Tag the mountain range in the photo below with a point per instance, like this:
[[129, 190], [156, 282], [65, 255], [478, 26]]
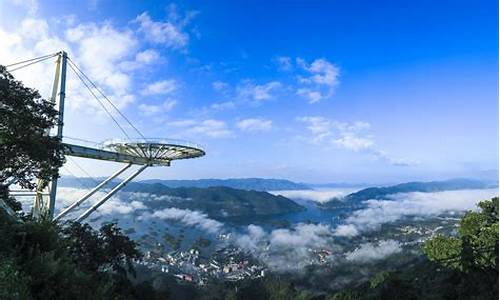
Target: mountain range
[[377, 193], [217, 202], [257, 184]]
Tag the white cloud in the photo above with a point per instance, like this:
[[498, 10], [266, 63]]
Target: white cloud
[[320, 196], [210, 127], [223, 105], [99, 60], [258, 92], [149, 109], [322, 72], [161, 87], [349, 136], [141, 60], [133, 203], [254, 237], [416, 204], [255, 124], [35, 29], [354, 143], [166, 106], [115, 205], [320, 128], [167, 33], [312, 95], [286, 249], [106, 52], [321, 79], [182, 123], [395, 161], [169, 104], [87, 45], [348, 230], [147, 56], [189, 218], [369, 252]]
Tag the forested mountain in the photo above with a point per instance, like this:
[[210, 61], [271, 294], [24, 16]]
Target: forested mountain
[[377, 193], [217, 202], [258, 184]]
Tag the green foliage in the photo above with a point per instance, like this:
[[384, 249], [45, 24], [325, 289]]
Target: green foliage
[[40, 259], [280, 289], [378, 279], [344, 295], [13, 284], [475, 247], [271, 287], [26, 152]]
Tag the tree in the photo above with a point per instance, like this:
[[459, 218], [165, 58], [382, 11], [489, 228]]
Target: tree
[[476, 246], [26, 151], [106, 249]]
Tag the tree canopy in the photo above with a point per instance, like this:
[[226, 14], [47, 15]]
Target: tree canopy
[[26, 151], [476, 245]]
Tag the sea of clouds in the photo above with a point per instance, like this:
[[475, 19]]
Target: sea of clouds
[[417, 204], [292, 248], [319, 195], [367, 252], [286, 249]]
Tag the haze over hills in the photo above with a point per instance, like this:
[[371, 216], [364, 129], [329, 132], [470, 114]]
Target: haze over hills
[[257, 184], [378, 193], [217, 202], [250, 201]]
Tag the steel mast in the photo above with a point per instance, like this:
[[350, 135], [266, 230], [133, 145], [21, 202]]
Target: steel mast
[[45, 205]]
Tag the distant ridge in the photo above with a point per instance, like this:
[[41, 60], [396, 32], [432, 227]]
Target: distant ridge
[[217, 202], [431, 186], [256, 184]]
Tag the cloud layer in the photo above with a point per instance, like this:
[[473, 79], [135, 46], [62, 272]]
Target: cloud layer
[[286, 249], [416, 204], [367, 252], [188, 218], [320, 196]]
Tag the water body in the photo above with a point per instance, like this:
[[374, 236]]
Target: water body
[[309, 199]]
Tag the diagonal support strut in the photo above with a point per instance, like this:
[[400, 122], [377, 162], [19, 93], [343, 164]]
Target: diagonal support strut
[[93, 191], [111, 193]]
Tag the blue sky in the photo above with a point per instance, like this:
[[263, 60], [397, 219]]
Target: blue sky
[[331, 91]]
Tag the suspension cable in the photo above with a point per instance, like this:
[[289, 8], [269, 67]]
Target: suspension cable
[[78, 179], [28, 60], [81, 140], [99, 100], [29, 64], [83, 170], [107, 99]]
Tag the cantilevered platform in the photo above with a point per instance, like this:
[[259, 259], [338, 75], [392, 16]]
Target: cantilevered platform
[[140, 152], [145, 152]]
